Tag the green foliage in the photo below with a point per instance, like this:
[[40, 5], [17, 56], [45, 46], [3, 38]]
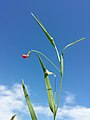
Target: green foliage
[[30, 107], [62, 65], [40, 53], [51, 98], [72, 44], [44, 30], [48, 36]]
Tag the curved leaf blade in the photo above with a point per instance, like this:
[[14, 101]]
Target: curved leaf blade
[[30, 107], [73, 43]]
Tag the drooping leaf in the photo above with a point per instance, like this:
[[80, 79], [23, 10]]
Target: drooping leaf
[[73, 43], [40, 53], [12, 118], [48, 36], [30, 107], [51, 100]]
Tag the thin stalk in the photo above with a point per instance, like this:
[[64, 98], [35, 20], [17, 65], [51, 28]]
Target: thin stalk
[[59, 94], [54, 94], [54, 117], [58, 55], [45, 57]]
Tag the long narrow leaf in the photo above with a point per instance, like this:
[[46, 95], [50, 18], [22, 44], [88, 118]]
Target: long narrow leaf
[[31, 110], [45, 31], [12, 118], [48, 36], [73, 43], [51, 100]]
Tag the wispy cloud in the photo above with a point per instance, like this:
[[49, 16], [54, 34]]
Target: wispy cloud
[[69, 98], [12, 101]]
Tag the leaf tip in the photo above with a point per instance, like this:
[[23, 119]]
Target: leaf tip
[[32, 14], [83, 38], [22, 81]]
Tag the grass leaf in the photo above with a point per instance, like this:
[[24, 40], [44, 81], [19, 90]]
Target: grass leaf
[[73, 43], [31, 110], [48, 36], [51, 100], [44, 30]]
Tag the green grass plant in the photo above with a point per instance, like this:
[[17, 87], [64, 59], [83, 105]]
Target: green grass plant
[[53, 105]]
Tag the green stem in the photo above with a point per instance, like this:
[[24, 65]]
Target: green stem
[[54, 117], [58, 56], [54, 94], [45, 57], [59, 95]]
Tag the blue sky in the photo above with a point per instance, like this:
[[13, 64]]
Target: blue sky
[[66, 21]]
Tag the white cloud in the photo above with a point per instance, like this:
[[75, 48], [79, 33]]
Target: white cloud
[[12, 101], [66, 112], [69, 111], [43, 110], [74, 113], [69, 98]]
